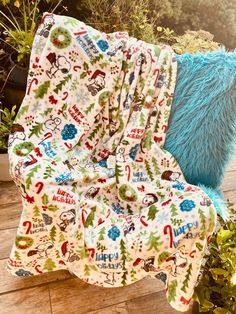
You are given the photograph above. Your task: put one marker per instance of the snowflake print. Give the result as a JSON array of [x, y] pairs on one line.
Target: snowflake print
[[68, 132], [103, 45], [83, 96], [162, 218], [114, 233], [187, 205]]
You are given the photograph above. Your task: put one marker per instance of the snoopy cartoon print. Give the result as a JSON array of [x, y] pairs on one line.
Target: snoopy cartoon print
[[120, 156], [46, 24], [149, 199], [17, 132], [42, 250], [98, 82], [92, 192], [67, 218], [58, 63]]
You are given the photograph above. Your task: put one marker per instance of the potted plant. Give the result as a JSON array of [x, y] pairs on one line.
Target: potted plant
[[216, 289], [6, 121], [19, 20]]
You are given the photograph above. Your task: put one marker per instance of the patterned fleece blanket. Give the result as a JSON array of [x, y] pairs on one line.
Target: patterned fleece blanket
[[101, 197]]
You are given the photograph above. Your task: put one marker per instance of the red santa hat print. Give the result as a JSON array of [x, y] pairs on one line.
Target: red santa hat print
[[97, 73]]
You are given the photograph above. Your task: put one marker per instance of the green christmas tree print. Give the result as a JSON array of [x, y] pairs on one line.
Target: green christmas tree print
[[172, 291], [102, 233], [130, 211], [152, 211], [61, 237], [36, 129], [42, 90], [36, 212], [53, 234], [148, 140], [89, 108], [118, 172], [148, 169], [86, 270], [158, 121], [17, 256], [62, 83], [30, 175], [155, 166], [187, 278], [133, 273], [95, 131], [142, 119], [49, 265], [123, 253], [22, 111], [153, 242], [90, 218], [173, 210], [203, 224]]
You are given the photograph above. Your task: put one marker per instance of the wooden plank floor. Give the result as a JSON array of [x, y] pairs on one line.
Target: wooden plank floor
[[60, 292]]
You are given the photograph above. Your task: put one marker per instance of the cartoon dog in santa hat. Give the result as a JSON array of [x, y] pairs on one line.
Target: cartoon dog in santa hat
[[98, 83], [17, 132]]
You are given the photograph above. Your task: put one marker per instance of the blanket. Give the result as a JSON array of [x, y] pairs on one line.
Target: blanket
[[101, 196]]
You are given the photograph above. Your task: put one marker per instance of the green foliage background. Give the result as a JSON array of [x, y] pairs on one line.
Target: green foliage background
[[164, 21]]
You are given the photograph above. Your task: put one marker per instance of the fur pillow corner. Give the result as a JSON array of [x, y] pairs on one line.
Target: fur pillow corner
[[202, 124]]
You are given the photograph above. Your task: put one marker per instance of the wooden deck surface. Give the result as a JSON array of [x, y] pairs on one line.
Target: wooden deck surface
[[61, 293]]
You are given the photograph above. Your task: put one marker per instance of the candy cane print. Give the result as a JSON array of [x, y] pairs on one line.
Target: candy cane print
[[191, 254], [139, 160], [127, 169], [166, 229], [46, 136], [68, 145], [37, 269], [165, 128], [158, 73], [76, 68], [149, 52], [80, 33], [39, 185], [109, 212], [142, 221], [65, 95], [83, 217], [160, 103], [29, 223], [34, 80]]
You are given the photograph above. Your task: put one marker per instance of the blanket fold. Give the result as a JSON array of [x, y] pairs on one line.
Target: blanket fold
[[101, 196]]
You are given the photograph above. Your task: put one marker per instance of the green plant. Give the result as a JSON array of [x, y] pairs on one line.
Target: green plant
[[119, 15], [6, 121], [20, 22], [216, 290], [194, 41]]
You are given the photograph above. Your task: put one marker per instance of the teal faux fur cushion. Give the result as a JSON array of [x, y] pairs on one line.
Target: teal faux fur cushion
[[202, 125]]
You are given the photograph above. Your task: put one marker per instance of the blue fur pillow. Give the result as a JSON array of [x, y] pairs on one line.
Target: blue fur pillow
[[202, 125]]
